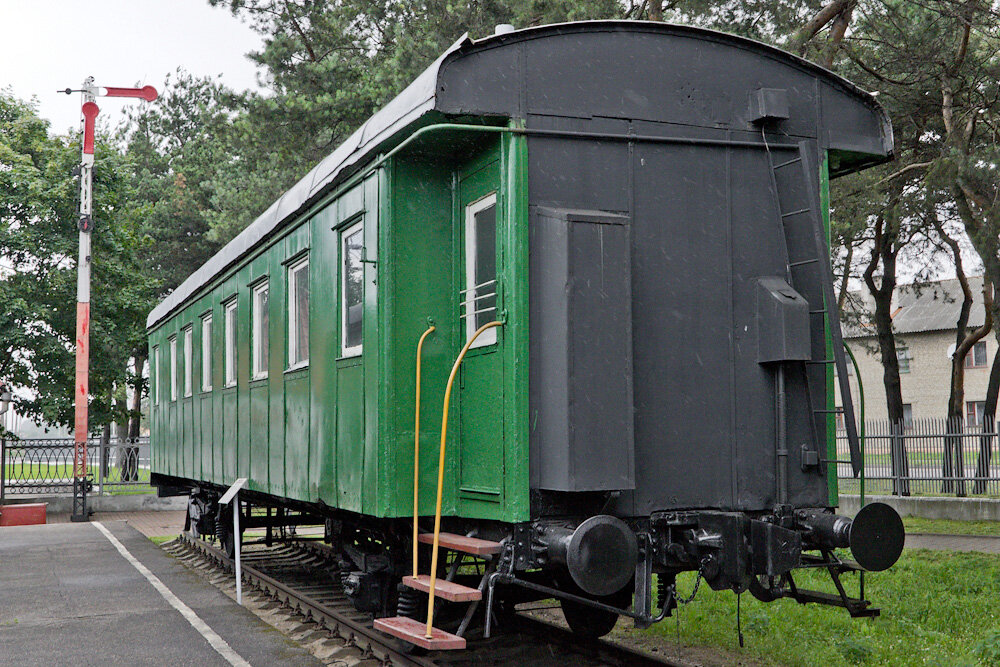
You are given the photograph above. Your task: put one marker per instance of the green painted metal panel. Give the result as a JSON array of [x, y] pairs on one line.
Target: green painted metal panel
[[297, 434], [418, 257], [350, 434], [480, 441], [514, 236], [323, 350], [375, 327]]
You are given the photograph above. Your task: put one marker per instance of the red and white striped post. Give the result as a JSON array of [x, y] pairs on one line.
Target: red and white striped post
[[81, 427]]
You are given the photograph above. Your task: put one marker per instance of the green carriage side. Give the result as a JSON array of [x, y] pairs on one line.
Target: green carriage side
[[337, 430]]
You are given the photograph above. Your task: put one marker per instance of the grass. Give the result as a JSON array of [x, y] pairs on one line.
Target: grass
[[42, 472], [160, 539], [938, 608], [945, 527]]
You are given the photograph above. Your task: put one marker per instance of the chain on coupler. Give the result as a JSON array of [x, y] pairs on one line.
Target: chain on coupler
[[697, 583]]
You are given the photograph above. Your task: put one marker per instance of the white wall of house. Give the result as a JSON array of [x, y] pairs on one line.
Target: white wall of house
[[926, 386]]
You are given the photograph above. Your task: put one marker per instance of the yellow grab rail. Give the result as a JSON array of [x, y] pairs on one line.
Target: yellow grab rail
[[440, 488], [416, 449]]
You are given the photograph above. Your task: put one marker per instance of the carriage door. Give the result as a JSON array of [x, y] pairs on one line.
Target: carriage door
[[482, 374]]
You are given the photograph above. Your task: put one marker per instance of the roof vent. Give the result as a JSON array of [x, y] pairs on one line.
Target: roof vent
[[503, 29]]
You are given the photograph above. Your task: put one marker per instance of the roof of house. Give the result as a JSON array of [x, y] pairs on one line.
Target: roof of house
[[919, 307]]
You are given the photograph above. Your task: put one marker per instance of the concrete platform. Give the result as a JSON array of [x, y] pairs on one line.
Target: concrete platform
[[68, 596], [155, 523]]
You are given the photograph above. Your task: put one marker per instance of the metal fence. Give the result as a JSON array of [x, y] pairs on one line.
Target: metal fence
[[925, 457], [45, 466]]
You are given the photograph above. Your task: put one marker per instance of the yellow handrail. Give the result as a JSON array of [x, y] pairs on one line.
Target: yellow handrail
[[440, 489], [416, 450]]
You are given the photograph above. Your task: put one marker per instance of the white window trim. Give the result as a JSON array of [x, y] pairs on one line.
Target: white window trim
[[206, 352], [173, 368], [255, 334], [488, 337], [229, 342], [356, 350], [188, 332], [293, 350], [154, 375]]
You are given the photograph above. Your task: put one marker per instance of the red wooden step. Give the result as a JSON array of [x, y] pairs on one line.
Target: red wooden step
[[448, 590], [469, 545], [414, 632]]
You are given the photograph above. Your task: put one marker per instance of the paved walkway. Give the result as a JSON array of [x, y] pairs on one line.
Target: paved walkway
[[983, 543], [102, 594], [149, 523]]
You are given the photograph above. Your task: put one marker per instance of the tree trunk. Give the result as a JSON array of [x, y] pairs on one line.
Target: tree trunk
[[129, 455], [988, 437]]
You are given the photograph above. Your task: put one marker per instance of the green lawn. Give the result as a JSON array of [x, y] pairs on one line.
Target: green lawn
[[938, 608], [944, 527], [14, 472]]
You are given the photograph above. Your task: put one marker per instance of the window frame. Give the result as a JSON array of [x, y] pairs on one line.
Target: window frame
[[259, 313], [970, 357], [172, 341], [903, 358], [229, 352], [347, 232], [488, 337], [206, 352], [294, 360], [154, 375], [187, 377], [977, 411]]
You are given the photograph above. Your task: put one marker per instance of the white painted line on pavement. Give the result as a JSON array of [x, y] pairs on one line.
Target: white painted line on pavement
[[217, 642]]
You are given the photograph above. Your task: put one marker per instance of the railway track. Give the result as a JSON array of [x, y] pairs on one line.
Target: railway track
[[298, 583]]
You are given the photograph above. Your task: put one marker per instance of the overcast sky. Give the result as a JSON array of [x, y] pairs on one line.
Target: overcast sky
[[48, 45]]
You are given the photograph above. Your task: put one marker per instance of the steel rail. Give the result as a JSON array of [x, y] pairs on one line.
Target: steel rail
[[319, 612]]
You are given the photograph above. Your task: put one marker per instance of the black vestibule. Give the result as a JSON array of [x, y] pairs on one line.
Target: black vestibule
[[674, 131]]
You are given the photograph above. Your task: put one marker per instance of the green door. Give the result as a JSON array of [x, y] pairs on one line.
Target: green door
[[481, 464]]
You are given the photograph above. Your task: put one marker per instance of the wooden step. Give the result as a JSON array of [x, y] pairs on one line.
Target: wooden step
[[414, 632], [448, 590], [469, 545]]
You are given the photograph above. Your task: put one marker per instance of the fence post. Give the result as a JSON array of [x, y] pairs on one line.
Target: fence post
[[103, 467], [3, 468]]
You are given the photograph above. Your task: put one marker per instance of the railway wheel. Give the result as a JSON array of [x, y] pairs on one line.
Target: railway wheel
[[587, 621]]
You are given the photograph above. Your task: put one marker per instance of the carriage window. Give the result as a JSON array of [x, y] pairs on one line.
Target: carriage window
[[173, 368], [206, 352], [188, 358], [154, 376], [352, 290], [230, 342], [479, 299], [298, 314], [258, 336]]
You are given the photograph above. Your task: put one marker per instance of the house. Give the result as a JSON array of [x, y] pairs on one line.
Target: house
[[924, 317]]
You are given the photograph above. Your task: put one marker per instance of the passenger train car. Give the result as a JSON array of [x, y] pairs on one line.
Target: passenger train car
[[597, 253]]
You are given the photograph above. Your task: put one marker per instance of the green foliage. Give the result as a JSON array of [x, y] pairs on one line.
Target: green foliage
[[38, 238], [987, 649]]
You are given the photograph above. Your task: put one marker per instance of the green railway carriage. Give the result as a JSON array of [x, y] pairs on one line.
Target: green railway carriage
[[353, 282], [641, 208]]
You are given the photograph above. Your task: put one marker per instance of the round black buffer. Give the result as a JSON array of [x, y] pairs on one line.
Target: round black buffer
[[601, 555], [877, 537]]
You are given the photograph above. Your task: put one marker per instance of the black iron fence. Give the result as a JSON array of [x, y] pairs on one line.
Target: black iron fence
[[45, 466], [925, 457]]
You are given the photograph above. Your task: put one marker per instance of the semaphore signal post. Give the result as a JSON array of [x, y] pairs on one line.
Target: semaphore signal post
[[81, 386]]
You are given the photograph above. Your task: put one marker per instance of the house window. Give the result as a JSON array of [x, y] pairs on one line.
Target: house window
[[206, 352], [976, 358], [974, 412], [188, 359], [907, 415], [903, 358], [230, 351], [258, 335], [298, 314], [154, 376], [840, 421], [173, 368], [480, 294], [352, 290]]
